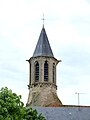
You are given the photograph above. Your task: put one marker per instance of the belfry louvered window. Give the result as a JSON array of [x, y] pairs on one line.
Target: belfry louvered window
[[53, 72], [46, 71], [37, 72]]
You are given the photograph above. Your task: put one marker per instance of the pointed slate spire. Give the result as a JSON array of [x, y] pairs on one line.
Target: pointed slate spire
[[43, 47]]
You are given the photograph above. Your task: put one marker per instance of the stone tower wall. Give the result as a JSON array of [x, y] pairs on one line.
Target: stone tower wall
[[43, 93], [41, 61]]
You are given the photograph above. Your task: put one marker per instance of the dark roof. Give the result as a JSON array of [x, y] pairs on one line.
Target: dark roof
[[43, 47], [65, 113]]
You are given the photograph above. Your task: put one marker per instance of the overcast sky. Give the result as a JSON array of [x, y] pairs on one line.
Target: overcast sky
[[67, 26]]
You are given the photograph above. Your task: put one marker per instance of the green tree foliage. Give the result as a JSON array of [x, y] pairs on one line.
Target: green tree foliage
[[11, 107], [33, 115]]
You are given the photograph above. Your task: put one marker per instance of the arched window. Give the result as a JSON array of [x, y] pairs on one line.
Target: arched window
[[30, 75], [46, 71], [36, 72], [53, 72]]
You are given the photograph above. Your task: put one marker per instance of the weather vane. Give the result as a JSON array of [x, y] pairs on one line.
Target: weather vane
[[43, 19]]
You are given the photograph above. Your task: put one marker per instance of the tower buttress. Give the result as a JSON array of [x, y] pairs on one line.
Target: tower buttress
[[42, 75]]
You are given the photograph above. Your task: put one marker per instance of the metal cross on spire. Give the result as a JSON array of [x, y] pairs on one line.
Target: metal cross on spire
[[43, 19]]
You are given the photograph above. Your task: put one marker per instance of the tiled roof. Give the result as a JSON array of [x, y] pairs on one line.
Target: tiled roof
[[65, 113], [43, 47]]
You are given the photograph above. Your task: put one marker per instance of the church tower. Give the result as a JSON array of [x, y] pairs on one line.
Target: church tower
[[42, 75]]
